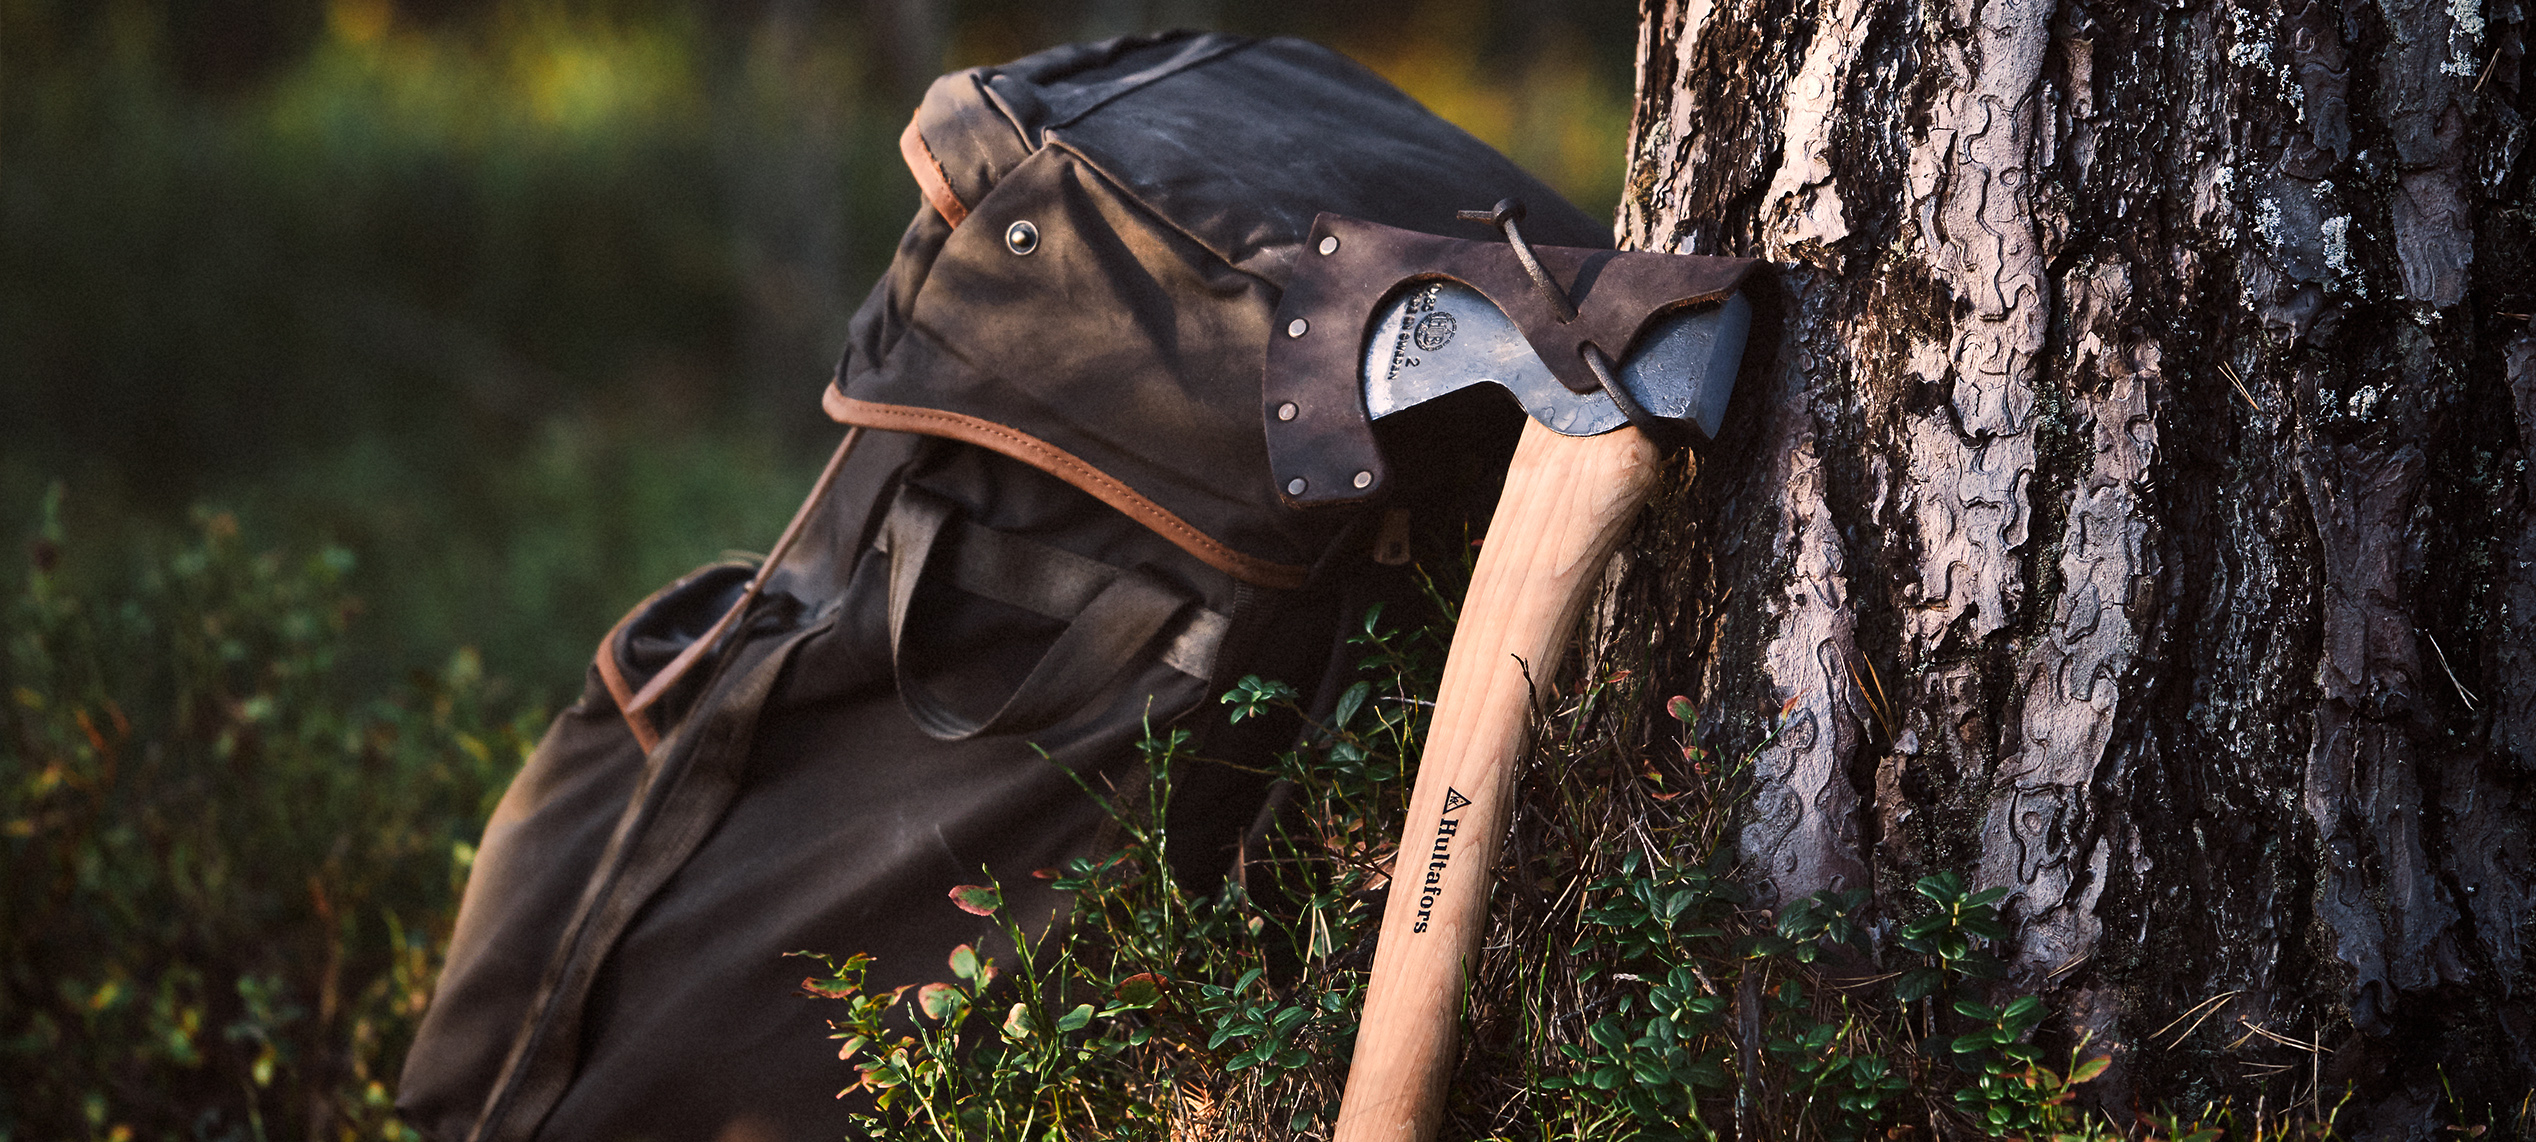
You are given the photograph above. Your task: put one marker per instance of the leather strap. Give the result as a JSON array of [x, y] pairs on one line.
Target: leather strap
[[687, 782], [1056, 583], [1112, 615]]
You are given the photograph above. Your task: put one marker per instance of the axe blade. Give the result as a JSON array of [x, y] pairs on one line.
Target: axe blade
[[1439, 336]]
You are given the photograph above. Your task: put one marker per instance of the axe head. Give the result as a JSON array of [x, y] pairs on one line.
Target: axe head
[[1376, 320]]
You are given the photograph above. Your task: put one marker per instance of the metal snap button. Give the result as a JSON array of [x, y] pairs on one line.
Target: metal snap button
[[1296, 327], [1329, 244], [1286, 411], [1364, 479], [1021, 237], [1294, 487]]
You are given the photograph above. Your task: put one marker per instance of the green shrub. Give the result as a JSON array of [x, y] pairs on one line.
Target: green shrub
[[228, 882], [1665, 1004]]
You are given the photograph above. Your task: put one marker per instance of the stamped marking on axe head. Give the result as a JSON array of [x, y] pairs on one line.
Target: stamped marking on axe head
[[1440, 336]]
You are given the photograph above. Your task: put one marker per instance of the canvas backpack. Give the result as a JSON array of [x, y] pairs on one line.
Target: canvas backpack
[[1052, 527]]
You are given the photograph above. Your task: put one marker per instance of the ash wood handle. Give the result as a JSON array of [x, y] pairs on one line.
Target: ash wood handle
[[1567, 503]]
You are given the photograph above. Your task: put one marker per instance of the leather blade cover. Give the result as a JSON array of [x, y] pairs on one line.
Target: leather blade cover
[[1349, 275]]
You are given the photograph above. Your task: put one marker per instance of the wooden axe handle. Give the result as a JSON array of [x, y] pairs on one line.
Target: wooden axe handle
[[1568, 501]]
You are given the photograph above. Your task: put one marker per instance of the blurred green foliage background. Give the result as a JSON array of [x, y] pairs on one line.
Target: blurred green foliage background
[[360, 362]]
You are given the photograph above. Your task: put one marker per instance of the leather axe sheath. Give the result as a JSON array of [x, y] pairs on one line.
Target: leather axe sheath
[[1615, 355]]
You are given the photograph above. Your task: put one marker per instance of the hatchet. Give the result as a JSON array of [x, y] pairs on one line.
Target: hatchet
[[1615, 355]]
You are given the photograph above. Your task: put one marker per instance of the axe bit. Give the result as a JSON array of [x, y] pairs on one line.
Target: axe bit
[[1410, 317]]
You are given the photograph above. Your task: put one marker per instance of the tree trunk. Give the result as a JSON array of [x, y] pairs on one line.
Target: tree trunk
[[2137, 508]]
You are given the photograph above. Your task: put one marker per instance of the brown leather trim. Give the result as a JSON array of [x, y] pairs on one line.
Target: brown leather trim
[[1068, 467], [613, 677], [929, 176]]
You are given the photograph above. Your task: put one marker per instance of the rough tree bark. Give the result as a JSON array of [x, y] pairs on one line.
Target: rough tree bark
[[2138, 508]]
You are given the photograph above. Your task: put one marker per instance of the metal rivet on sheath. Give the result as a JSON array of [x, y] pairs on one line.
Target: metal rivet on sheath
[[1294, 487], [1021, 237], [1286, 411], [1364, 479], [1329, 245], [1296, 327]]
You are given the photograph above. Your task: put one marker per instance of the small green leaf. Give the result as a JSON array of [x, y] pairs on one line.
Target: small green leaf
[[1682, 710], [977, 899], [1075, 1020], [2090, 1069], [964, 962], [1348, 703], [1944, 888], [1917, 984], [1141, 990], [938, 1000]]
